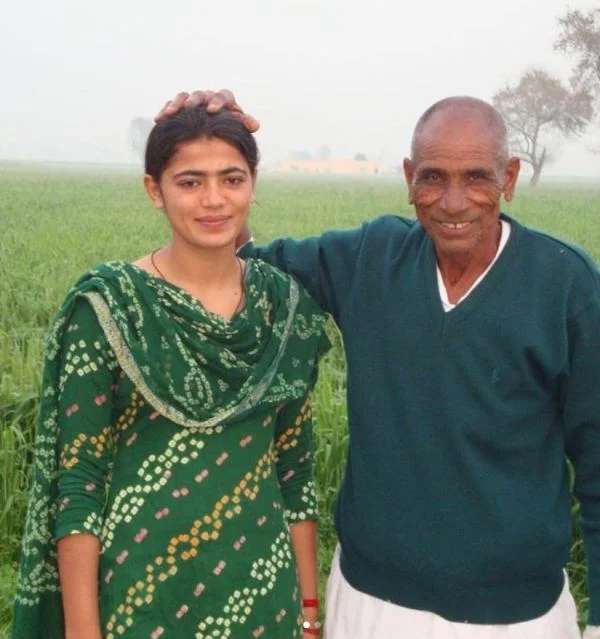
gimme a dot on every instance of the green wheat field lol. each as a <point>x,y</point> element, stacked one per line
<point>56,222</point>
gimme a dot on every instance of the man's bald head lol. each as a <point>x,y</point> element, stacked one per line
<point>462,108</point>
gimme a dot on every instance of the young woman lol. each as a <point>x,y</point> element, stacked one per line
<point>173,492</point>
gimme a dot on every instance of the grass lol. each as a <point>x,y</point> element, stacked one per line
<point>56,224</point>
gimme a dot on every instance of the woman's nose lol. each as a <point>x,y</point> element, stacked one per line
<point>212,195</point>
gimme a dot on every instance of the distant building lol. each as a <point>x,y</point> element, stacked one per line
<point>331,167</point>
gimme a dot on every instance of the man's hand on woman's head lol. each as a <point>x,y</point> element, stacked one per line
<point>213,101</point>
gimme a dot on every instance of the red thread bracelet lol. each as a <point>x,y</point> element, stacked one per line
<point>310,603</point>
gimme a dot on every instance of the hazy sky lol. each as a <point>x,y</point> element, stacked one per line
<point>352,75</point>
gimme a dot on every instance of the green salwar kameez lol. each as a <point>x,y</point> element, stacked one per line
<point>184,443</point>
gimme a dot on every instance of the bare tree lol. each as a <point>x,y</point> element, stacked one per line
<point>536,107</point>
<point>580,36</point>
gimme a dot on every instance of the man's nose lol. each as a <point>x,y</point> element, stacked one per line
<point>454,199</point>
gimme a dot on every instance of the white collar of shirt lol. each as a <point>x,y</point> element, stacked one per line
<point>448,306</point>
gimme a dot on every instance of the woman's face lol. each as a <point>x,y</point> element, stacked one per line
<point>206,190</point>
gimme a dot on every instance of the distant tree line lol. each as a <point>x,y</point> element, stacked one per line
<point>322,153</point>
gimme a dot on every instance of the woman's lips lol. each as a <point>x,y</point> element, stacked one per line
<point>213,221</point>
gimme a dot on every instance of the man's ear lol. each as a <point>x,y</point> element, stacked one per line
<point>153,190</point>
<point>511,175</point>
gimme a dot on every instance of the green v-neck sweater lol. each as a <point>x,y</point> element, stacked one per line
<point>456,495</point>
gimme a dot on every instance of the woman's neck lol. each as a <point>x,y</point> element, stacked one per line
<point>203,268</point>
<point>213,276</point>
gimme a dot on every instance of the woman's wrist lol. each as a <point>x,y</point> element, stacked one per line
<point>310,603</point>
<point>311,625</point>
<point>83,633</point>
<point>310,608</point>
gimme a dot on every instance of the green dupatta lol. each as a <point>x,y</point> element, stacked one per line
<point>191,366</point>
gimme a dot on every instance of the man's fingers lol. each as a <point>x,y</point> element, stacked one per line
<point>223,99</point>
<point>162,114</point>
<point>251,123</point>
<point>230,101</point>
<point>213,100</point>
<point>198,98</point>
<point>180,99</point>
<point>172,106</point>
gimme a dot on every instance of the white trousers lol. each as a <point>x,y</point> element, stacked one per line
<point>352,614</point>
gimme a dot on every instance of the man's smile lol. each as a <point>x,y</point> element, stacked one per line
<point>455,225</point>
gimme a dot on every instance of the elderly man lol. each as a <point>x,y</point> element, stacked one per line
<point>473,352</point>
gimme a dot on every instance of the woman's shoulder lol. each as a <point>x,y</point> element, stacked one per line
<point>75,322</point>
<point>286,285</point>
<point>99,273</point>
<point>111,269</point>
<point>116,281</point>
<point>102,280</point>
<point>309,319</point>
<point>255,265</point>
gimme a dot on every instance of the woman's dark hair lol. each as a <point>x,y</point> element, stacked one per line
<point>195,124</point>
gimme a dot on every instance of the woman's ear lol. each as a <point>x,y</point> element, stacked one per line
<point>153,190</point>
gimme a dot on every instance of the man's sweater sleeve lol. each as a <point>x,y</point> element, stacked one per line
<point>581,410</point>
<point>324,265</point>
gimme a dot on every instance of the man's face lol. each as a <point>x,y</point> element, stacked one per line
<point>455,182</point>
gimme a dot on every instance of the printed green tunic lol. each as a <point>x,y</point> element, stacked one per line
<point>183,442</point>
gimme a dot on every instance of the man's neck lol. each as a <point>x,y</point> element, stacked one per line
<point>460,271</point>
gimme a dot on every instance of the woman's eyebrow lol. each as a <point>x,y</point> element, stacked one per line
<point>198,173</point>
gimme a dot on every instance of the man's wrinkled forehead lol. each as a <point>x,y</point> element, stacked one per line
<point>453,125</point>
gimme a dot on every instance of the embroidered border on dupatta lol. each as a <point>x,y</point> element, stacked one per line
<point>132,370</point>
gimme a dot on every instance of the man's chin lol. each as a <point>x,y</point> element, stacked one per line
<point>455,247</point>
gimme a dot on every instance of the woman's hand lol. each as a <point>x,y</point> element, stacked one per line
<point>213,100</point>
